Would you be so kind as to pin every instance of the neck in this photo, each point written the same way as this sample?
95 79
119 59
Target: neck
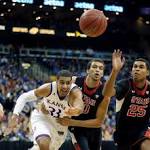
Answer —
60 94
91 83
140 84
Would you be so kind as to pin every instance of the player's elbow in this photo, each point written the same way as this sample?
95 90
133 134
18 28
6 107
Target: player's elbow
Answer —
98 125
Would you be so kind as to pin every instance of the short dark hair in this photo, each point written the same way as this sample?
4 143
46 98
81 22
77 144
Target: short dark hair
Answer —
64 73
146 62
94 60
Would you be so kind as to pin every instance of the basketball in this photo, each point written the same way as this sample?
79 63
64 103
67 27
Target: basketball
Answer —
93 23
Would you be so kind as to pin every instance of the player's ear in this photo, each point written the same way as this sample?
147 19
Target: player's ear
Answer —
87 71
147 73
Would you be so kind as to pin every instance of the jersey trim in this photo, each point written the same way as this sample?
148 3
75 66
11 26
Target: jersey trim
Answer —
51 90
91 91
138 91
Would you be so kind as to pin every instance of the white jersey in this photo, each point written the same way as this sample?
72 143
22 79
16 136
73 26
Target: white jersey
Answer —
46 124
53 104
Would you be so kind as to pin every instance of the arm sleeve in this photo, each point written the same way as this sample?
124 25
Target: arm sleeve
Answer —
21 101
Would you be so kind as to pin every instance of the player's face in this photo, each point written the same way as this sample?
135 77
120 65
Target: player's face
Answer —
96 70
139 71
63 85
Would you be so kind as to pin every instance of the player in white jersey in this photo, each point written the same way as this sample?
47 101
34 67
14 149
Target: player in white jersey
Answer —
60 98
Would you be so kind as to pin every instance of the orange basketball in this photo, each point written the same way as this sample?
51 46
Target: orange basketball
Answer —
93 23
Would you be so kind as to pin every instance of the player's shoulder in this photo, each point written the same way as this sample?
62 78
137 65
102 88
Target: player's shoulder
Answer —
74 79
124 81
45 85
74 88
79 79
124 84
43 90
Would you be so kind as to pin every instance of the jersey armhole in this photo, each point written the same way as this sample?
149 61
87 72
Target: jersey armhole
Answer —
126 91
51 88
129 85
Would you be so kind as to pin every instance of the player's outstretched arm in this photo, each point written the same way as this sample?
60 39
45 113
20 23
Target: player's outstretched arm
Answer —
117 64
90 123
75 102
29 96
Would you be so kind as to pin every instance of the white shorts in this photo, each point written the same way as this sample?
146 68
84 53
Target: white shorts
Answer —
45 125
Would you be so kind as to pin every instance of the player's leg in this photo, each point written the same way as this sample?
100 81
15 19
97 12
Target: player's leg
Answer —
82 141
67 145
43 142
41 130
121 142
95 143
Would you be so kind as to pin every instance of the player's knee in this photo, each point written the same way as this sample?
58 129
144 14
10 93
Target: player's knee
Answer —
145 145
43 143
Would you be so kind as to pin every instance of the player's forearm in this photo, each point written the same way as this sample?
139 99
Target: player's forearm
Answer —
98 121
108 89
22 100
103 109
78 103
91 123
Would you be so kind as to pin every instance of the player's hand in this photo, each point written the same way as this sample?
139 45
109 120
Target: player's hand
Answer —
1 112
117 60
14 121
72 111
65 121
12 124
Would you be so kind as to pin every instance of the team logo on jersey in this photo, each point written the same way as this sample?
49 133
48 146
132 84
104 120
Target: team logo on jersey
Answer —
96 96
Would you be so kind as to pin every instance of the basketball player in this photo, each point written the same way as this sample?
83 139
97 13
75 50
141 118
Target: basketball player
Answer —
87 126
133 105
60 98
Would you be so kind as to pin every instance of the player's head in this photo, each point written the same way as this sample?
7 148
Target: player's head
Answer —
64 80
140 69
95 69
